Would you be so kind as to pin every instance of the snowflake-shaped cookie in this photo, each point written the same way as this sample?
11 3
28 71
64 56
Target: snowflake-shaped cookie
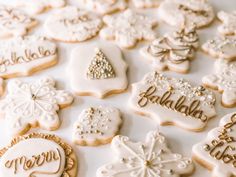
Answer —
224 80
75 25
221 47
105 6
229 22
185 13
97 125
146 3
217 150
172 101
128 27
33 104
38 6
14 22
151 158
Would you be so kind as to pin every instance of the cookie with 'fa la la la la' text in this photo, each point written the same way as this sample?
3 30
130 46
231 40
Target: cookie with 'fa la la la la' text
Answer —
96 126
128 27
38 6
185 13
217 151
172 101
31 104
75 25
38 155
21 56
97 69
146 3
221 47
104 6
173 51
228 20
148 159
224 80
14 22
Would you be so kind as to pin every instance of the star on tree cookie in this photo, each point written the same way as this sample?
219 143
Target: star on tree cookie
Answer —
33 104
149 158
228 20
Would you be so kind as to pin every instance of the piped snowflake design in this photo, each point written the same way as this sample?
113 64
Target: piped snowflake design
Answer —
229 22
14 22
224 80
30 104
152 158
128 27
146 3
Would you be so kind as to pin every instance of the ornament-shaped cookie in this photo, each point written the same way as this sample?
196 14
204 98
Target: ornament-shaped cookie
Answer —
149 158
221 47
31 104
146 3
75 25
217 151
185 13
97 69
172 101
228 20
96 126
22 56
14 22
224 80
128 27
104 6
38 6
38 155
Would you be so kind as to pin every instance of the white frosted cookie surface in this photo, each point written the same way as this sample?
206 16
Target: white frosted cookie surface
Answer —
149 158
146 3
172 101
33 104
75 25
97 69
14 22
217 150
185 13
228 19
97 125
21 56
128 27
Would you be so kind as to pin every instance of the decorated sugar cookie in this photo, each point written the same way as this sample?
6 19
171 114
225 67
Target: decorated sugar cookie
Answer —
105 6
71 24
217 151
221 47
14 22
96 126
38 155
128 27
185 13
149 158
172 101
21 56
146 3
228 20
97 69
38 6
33 104
224 80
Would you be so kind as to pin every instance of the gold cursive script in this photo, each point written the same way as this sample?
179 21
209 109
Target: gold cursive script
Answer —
79 19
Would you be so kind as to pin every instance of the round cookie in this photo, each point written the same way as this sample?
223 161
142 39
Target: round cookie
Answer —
75 25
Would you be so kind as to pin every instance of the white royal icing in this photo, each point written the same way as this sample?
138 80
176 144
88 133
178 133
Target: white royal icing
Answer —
30 104
71 24
146 159
14 22
173 101
186 12
224 79
127 28
218 149
98 70
105 6
24 55
38 6
228 20
146 3
97 125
